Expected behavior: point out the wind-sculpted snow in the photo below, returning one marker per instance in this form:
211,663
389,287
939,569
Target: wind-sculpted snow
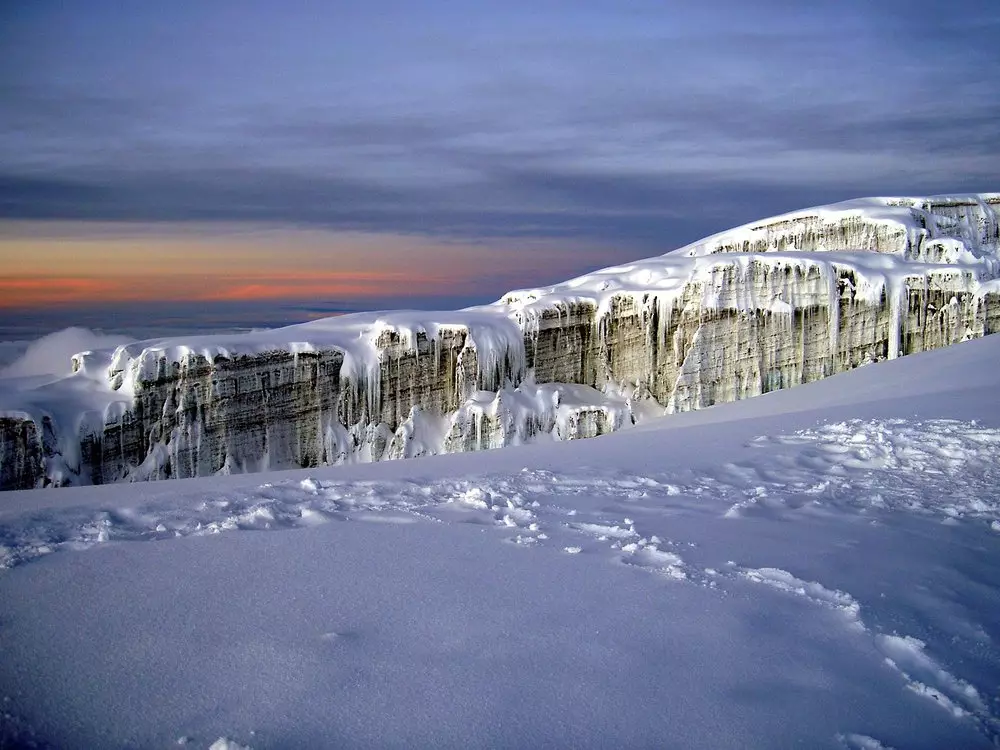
763,307
784,581
907,654
943,468
511,502
881,472
861,742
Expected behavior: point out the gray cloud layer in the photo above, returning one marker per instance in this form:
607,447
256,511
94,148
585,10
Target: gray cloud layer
646,126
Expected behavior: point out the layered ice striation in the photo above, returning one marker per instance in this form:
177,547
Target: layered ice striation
765,306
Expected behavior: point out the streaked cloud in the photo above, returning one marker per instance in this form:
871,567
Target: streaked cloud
470,132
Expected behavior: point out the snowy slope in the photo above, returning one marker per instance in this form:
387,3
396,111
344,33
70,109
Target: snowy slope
815,567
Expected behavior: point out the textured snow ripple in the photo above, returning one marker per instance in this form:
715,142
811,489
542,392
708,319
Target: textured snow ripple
924,676
816,592
604,532
649,556
861,742
944,467
907,655
224,743
511,502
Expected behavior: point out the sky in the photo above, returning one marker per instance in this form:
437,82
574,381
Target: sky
397,154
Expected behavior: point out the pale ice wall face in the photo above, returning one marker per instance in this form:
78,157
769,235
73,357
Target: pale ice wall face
776,303
913,228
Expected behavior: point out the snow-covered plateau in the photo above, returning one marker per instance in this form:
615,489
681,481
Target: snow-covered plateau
763,307
817,567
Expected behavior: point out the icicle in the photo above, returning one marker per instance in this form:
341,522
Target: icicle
956,320
980,307
922,312
800,375
833,313
894,300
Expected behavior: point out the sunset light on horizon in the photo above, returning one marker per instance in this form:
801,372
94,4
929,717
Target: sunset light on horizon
47,263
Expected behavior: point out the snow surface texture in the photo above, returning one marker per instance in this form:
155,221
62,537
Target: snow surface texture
763,307
814,568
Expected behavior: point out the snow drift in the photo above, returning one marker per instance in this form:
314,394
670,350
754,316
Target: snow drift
763,307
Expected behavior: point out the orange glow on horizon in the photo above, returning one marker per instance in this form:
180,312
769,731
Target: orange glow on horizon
37,291
291,286
30,292
53,263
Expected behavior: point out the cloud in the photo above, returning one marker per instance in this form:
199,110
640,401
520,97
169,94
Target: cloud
647,126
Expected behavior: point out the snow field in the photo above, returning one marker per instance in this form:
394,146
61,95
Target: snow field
942,468
871,470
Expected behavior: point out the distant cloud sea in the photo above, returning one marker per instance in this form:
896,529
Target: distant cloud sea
84,325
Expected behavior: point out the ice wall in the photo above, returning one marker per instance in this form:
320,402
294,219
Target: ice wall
770,305
913,228
21,465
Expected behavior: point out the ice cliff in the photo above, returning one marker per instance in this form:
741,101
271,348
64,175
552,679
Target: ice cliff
769,305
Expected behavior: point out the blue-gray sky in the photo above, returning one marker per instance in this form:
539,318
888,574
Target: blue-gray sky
621,128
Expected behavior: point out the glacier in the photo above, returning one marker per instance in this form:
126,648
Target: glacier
762,307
